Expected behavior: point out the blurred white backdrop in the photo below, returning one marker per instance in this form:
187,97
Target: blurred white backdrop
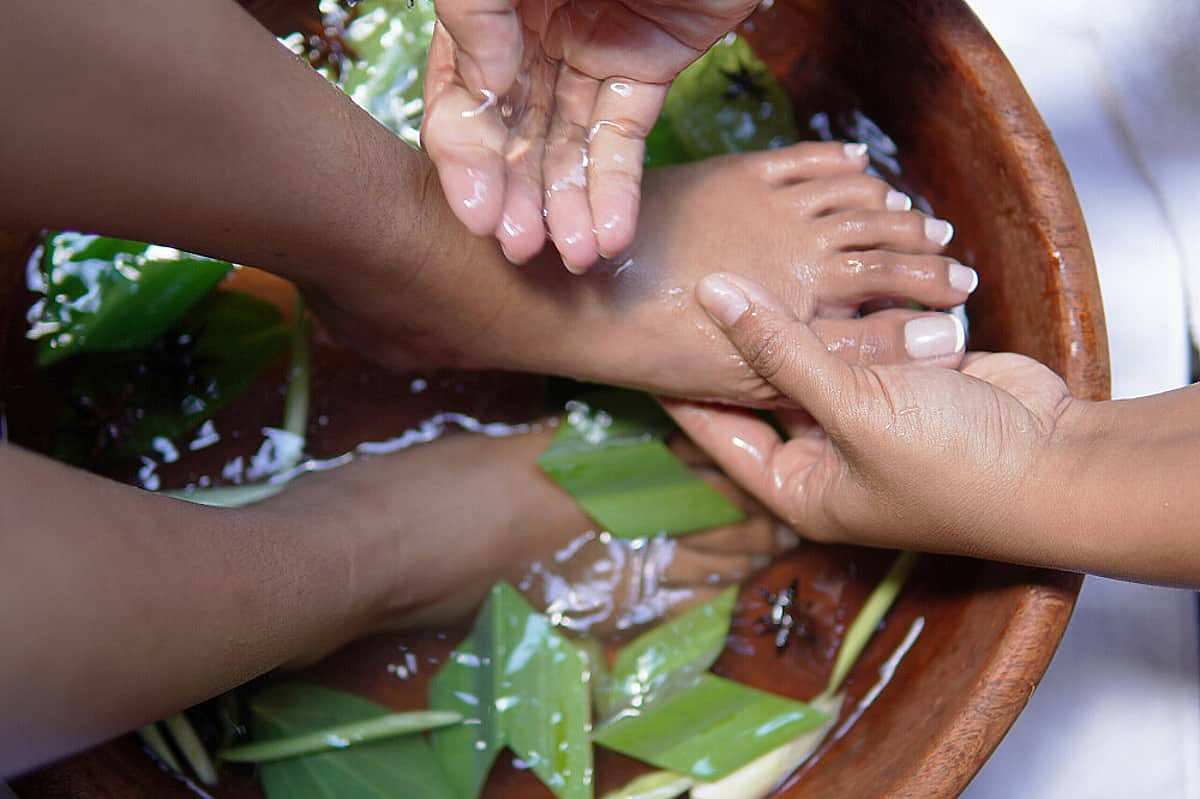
1118,82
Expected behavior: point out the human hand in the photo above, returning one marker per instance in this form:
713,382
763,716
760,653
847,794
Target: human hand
895,456
537,112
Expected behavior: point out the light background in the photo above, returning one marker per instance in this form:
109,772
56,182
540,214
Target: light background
1118,82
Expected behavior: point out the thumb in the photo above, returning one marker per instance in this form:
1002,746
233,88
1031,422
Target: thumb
783,351
489,43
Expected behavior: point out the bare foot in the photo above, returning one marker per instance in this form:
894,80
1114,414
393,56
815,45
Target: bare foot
489,514
805,221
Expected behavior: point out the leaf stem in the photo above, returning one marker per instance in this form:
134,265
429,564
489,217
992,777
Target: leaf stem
864,626
341,736
191,748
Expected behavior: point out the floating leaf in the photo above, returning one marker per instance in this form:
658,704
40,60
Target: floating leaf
858,635
727,101
760,777
610,456
376,770
656,785
709,730
518,683
670,658
105,295
136,399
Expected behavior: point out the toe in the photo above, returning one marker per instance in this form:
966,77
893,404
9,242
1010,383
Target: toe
845,193
898,231
895,337
809,161
851,279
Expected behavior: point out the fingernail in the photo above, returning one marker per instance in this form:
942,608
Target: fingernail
939,231
933,336
898,201
725,302
855,149
963,278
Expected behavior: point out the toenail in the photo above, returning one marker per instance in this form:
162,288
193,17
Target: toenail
939,231
963,278
933,336
898,201
724,301
855,149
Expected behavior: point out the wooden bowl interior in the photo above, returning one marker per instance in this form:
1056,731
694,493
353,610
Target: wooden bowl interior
972,143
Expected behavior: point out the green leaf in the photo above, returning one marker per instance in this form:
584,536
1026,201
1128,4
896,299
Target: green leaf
761,776
867,621
389,39
388,768
610,456
670,658
341,736
656,785
518,683
709,730
726,102
205,362
106,295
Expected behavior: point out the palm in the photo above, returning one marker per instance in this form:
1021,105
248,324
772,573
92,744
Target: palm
908,444
564,142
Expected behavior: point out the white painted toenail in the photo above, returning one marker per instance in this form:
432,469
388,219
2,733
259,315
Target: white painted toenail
963,278
933,336
939,231
855,149
898,201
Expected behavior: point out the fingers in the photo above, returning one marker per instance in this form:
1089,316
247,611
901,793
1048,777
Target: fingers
783,351
624,113
488,38
565,170
465,139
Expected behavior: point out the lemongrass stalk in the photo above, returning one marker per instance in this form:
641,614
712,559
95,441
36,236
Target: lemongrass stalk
191,748
153,738
295,409
656,785
864,626
341,736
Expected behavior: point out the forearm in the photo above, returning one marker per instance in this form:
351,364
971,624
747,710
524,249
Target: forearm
188,124
118,607
1121,498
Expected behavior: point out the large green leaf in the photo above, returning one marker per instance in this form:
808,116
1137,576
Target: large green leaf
609,455
727,101
518,683
709,730
399,767
384,72
670,658
104,295
165,390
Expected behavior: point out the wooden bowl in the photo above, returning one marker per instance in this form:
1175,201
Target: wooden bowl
973,144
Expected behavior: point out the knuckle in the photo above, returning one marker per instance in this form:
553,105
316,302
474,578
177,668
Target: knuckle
763,348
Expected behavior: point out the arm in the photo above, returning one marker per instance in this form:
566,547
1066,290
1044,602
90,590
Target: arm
997,461
119,607
187,124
